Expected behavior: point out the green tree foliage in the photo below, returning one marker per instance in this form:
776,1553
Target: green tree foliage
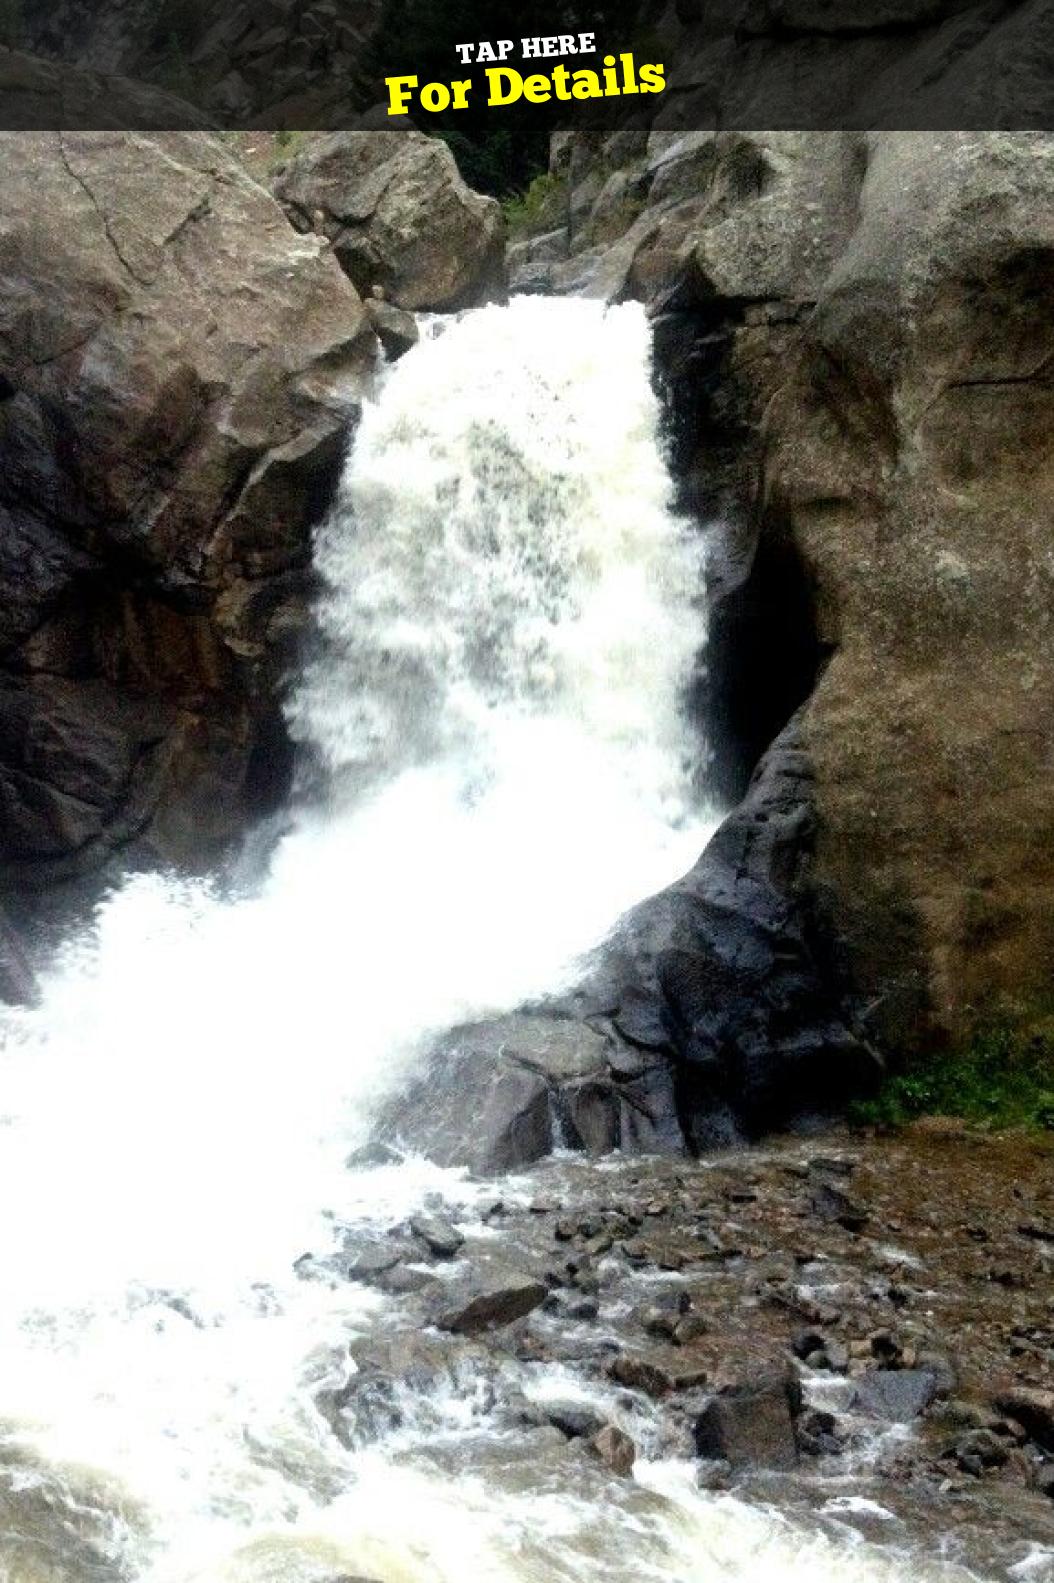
1001,1078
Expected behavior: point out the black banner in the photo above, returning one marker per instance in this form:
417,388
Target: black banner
475,65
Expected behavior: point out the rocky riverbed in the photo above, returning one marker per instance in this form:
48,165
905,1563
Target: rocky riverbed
860,1329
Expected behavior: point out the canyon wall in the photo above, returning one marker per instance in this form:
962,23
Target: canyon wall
858,343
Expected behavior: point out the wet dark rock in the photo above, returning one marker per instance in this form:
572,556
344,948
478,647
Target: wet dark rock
399,1370
404,1281
439,1236
18,985
576,1420
819,1434
1032,1408
395,329
487,1099
661,1316
752,1425
807,1342
830,1203
500,1302
637,1374
980,1450
885,1346
689,1329
374,1260
726,972
615,1449
715,1476
897,1395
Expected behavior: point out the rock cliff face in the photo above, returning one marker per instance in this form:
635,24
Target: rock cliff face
177,372
275,64
858,336
37,93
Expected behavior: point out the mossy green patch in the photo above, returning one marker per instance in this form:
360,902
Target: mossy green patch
1001,1078
540,205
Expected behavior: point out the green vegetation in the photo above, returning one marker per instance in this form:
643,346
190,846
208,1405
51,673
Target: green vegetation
1002,1078
542,202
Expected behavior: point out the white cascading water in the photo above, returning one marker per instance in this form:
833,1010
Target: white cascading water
511,612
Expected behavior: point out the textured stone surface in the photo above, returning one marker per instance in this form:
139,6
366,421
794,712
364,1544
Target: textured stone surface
176,366
857,332
38,93
898,1395
500,1094
752,1424
399,216
729,973
501,1301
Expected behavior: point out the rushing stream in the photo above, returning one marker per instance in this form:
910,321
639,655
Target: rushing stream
500,765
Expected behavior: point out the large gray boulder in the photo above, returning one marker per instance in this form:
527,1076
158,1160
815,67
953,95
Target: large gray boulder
399,216
176,366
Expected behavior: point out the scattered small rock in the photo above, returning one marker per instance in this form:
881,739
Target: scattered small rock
615,1449
636,1374
439,1236
689,1329
978,1451
830,1203
499,1304
752,1425
576,1420
1032,1408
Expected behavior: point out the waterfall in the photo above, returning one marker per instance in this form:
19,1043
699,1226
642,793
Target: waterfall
510,613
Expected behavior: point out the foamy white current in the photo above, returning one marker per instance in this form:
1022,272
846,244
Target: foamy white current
511,612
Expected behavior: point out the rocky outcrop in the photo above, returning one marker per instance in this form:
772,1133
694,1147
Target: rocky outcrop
175,368
857,334
399,216
501,1094
712,1014
729,976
